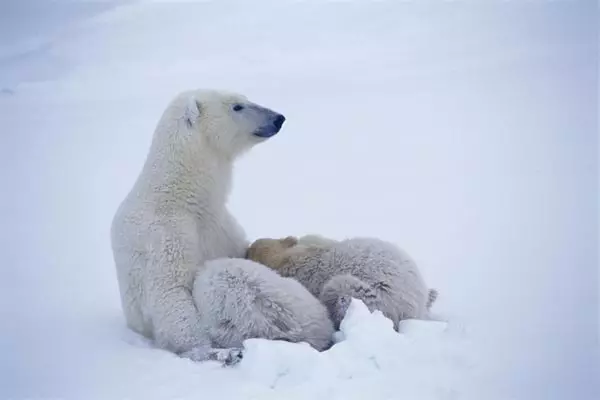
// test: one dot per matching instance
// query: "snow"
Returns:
(464, 132)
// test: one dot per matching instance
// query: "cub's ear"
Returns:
(289, 241)
(192, 112)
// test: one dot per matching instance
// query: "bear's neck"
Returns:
(190, 175)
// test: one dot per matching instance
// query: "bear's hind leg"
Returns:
(338, 292)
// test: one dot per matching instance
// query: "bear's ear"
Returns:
(289, 241)
(192, 112)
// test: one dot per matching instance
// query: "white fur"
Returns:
(258, 303)
(174, 219)
(377, 272)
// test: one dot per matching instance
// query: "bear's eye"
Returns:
(238, 107)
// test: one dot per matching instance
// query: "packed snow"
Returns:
(466, 133)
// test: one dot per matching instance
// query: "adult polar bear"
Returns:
(174, 222)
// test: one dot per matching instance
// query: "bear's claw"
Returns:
(227, 357)
(233, 356)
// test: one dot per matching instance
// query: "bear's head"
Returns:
(270, 252)
(227, 122)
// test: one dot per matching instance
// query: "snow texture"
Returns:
(463, 131)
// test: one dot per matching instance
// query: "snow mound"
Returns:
(426, 359)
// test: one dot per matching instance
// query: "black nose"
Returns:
(278, 122)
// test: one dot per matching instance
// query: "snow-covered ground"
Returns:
(465, 132)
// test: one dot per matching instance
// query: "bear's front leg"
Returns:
(177, 327)
(169, 275)
(176, 322)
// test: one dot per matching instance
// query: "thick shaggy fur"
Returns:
(242, 299)
(380, 274)
(174, 220)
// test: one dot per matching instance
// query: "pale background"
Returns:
(464, 131)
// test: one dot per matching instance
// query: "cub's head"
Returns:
(227, 122)
(271, 252)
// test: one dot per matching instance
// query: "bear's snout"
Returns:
(278, 122)
(273, 125)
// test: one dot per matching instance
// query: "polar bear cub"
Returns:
(242, 299)
(380, 274)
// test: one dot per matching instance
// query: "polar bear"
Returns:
(380, 274)
(174, 220)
